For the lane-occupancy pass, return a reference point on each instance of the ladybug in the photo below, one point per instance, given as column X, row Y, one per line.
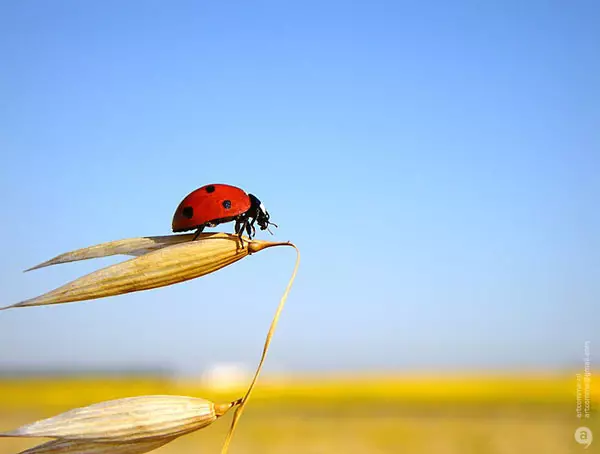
column 216, row 204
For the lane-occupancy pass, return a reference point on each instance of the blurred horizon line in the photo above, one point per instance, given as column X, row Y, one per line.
column 168, row 373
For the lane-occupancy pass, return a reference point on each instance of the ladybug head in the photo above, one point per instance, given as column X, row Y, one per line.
column 260, row 213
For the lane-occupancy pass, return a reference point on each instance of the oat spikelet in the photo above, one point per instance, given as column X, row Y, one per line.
column 127, row 420
column 168, row 265
column 90, row 447
column 128, row 246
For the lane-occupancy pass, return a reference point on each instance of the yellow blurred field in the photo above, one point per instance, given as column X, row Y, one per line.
column 408, row 414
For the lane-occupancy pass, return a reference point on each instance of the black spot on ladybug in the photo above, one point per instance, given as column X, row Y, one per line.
column 188, row 212
column 226, row 204
column 210, row 189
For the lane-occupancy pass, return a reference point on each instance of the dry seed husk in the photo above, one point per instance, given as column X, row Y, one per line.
column 128, row 246
column 128, row 419
column 168, row 265
column 91, row 447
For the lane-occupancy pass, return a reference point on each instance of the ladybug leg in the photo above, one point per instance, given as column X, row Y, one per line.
column 249, row 227
column 198, row 232
column 240, row 224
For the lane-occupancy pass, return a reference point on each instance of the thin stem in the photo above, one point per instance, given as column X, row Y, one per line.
column 240, row 409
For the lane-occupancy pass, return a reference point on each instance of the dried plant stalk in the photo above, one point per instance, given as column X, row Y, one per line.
column 244, row 401
column 128, row 420
column 91, row 447
column 168, row 265
column 142, row 424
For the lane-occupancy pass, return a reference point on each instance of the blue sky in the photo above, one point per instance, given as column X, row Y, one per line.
column 436, row 163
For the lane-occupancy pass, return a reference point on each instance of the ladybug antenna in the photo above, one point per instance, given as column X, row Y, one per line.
column 271, row 223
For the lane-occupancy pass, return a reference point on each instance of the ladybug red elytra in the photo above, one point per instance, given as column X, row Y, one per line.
column 216, row 204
